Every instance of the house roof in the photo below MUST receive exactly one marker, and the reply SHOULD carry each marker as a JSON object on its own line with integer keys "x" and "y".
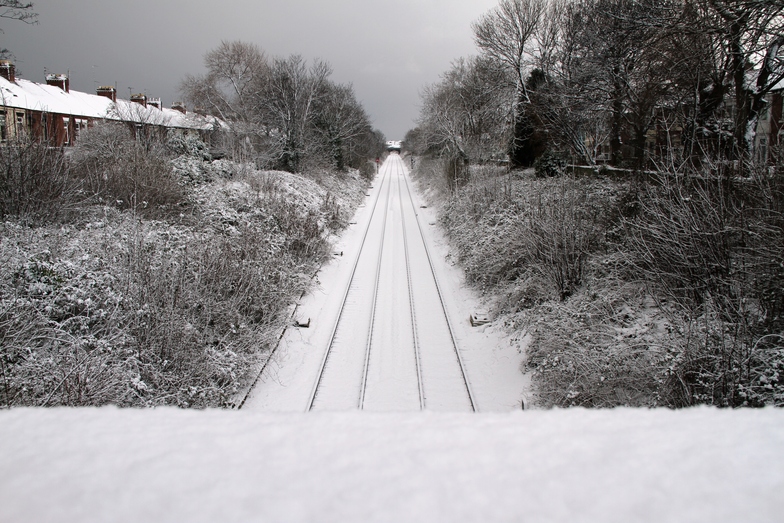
{"x": 24, "y": 94}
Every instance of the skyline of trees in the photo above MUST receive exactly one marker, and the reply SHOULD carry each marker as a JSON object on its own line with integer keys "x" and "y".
{"x": 592, "y": 76}
{"x": 286, "y": 113}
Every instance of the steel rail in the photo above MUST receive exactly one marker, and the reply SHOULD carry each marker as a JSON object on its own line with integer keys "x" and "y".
{"x": 441, "y": 299}
{"x": 322, "y": 367}
{"x": 369, "y": 342}
{"x": 412, "y": 308}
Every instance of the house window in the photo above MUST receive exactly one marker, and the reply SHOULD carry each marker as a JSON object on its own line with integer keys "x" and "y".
{"x": 3, "y": 133}
{"x": 762, "y": 150}
{"x": 66, "y": 130}
{"x": 80, "y": 124}
{"x": 20, "y": 125}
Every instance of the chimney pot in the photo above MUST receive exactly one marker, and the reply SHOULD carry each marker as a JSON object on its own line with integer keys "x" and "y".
{"x": 107, "y": 91}
{"x": 140, "y": 99}
{"x": 179, "y": 106}
{"x": 8, "y": 70}
{"x": 59, "y": 80}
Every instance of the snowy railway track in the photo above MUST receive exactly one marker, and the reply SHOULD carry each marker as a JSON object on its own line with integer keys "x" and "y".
{"x": 443, "y": 308}
{"x": 347, "y": 291}
{"x": 391, "y": 341}
{"x": 412, "y": 305}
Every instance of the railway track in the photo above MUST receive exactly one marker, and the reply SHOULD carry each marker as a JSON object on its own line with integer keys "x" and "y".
{"x": 392, "y": 345}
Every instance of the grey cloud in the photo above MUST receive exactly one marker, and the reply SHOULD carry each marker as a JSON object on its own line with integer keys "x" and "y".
{"x": 387, "y": 50}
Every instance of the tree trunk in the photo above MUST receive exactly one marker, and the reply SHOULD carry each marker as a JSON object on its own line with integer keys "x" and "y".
{"x": 616, "y": 124}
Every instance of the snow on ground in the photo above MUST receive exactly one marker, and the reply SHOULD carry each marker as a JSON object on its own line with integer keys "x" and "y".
{"x": 562, "y": 465}
{"x": 492, "y": 361}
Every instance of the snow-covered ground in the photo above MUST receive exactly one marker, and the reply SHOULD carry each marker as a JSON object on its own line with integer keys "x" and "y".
{"x": 492, "y": 363}
{"x": 697, "y": 465}
{"x": 502, "y": 464}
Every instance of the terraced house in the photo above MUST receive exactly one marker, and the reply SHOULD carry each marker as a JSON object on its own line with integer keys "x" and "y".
{"x": 53, "y": 113}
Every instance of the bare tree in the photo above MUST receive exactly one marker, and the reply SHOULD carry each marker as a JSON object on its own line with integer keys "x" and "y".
{"x": 341, "y": 121}
{"x": 750, "y": 36}
{"x": 560, "y": 89}
{"x": 467, "y": 114}
{"x": 282, "y": 111}
{"x": 508, "y": 34}
{"x": 16, "y": 10}
{"x": 630, "y": 65}
{"x": 288, "y": 106}
{"x": 236, "y": 72}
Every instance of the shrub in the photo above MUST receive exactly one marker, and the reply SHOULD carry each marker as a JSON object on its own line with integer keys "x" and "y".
{"x": 184, "y": 144}
{"x": 34, "y": 181}
{"x": 119, "y": 170}
{"x": 605, "y": 347}
{"x": 368, "y": 170}
{"x": 123, "y": 310}
{"x": 711, "y": 244}
{"x": 543, "y": 229}
{"x": 549, "y": 164}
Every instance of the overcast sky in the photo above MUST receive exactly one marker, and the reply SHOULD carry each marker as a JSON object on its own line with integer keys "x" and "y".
{"x": 388, "y": 50}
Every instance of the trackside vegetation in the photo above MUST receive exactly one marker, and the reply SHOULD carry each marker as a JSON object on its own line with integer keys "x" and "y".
{"x": 144, "y": 274}
{"x": 646, "y": 289}
{"x": 610, "y": 174}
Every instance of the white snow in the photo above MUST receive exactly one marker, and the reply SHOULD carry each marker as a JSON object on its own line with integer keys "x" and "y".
{"x": 24, "y": 94}
{"x": 562, "y": 465}
{"x": 492, "y": 361}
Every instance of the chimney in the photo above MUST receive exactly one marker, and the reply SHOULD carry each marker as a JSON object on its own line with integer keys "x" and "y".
{"x": 154, "y": 102}
{"x": 179, "y": 106}
{"x": 8, "y": 70}
{"x": 59, "y": 80}
{"x": 107, "y": 91}
{"x": 140, "y": 99}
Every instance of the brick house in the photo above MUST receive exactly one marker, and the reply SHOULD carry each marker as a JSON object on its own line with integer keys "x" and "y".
{"x": 53, "y": 113}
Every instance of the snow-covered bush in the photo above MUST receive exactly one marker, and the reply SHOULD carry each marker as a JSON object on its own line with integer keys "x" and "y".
{"x": 526, "y": 228}
{"x": 549, "y": 164}
{"x": 185, "y": 144}
{"x": 712, "y": 244}
{"x": 605, "y": 347}
{"x": 118, "y": 308}
{"x": 656, "y": 292}
{"x": 192, "y": 171}
{"x": 34, "y": 181}
{"x": 117, "y": 169}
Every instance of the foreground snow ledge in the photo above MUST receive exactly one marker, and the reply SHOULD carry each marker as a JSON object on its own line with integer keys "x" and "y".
{"x": 562, "y": 465}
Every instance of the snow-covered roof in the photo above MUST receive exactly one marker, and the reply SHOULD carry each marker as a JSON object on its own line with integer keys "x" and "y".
{"x": 24, "y": 94}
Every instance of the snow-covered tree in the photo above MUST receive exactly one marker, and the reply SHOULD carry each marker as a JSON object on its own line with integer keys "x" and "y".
{"x": 467, "y": 114}
{"x": 341, "y": 122}
{"x": 507, "y": 34}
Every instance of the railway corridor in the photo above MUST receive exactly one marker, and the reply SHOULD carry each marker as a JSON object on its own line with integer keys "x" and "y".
{"x": 382, "y": 333}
